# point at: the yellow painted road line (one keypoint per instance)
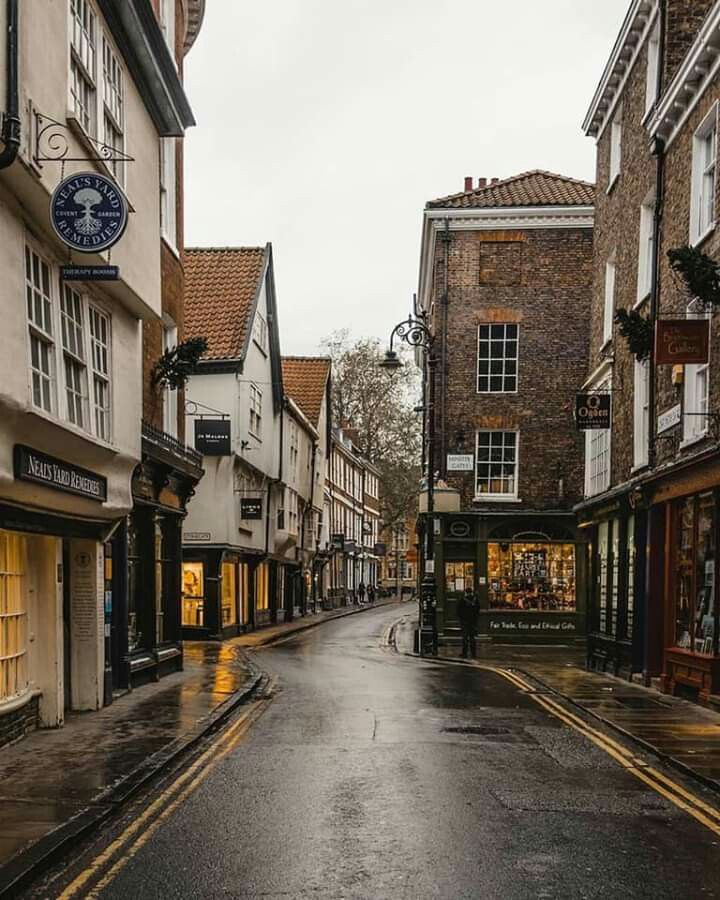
(661, 784)
(161, 808)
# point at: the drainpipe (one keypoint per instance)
(10, 133)
(444, 353)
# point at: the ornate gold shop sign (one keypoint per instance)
(682, 342)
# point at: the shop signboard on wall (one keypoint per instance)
(669, 419)
(592, 411)
(32, 465)
(380, 549)
(212, 437)
(88, 212)
(89, 273)
(251, 507)
(460, 462)
(682, 342)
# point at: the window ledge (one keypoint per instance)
(73, 429)
(696, 241)
(495, 498)
(639, 467)
(642, 299)
(613, 181)
(606, 344)
(169, 244)
(690, 441)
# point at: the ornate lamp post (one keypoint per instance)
(417, 334)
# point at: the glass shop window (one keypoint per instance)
(193, 611)
(137, 640)
(229, 605)
(244, 593)
(532, 577)
(615, 583)
(695, 613)
(602, 560)
(262, 592)
(458, 576)
(630, 558)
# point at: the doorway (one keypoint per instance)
(67, 628)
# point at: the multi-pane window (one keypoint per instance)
(113, 111)
(82, 64)
(630, 574)
(597, 457)
(73, 343)
(603, 560)
(496, 464)
(168, 191)
(40, 324)
(291, 510)
(255, 410)
(294, 449)
(651, 84)
(170, 397)
(702, 206)
(497, 358)
(13, 615)
(641, 412)
(100, 362)
(646, 250)
(609, 307)
(695, 392)
(615, 147)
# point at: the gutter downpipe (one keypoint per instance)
(10, 133)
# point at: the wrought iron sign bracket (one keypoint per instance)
(52, 144)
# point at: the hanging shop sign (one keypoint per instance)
(212, 437)
(31, 465)
(380, 549)
(669, 419)
(592, 411)
(89, 273)
(682, 342)
(460, 462)
(251, 507)
(337, 541)
(88, 212)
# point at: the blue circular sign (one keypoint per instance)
(88, 212)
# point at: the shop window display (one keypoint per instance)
(229, 614)
(459, 576)
(13, 615)
(631, 553)
(532, 577)
(137, 639)
(695, 614)
(193, 613)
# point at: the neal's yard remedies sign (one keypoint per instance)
(592, 411)
(88, 212)
(31, 465)
(212, 437)
(682, 342)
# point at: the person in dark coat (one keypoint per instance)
(468, 614)
(361, 591)
(371, 594)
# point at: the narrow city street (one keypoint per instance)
(371, 774)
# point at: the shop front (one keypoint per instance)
(529, 574)
(224, 593)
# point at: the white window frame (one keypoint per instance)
(506, 361)
(641, 413)
(646, 249)
(67, 332)
(85, 42)
(615, 148)
(167, 24)
(497, 495)
(255, 426)
(598, 448)
(113, 107)
(260, 332)
(653, 61)
(696, 390)
(168, 191)
(703, 213)
(609, 305)
(294, 449)
(170, 397)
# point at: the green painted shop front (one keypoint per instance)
(530, 573)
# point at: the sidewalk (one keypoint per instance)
(681, 733)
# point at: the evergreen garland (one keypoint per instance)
(177, 364)
(637, 331)
(700, 273)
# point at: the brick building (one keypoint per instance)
(652, 479)
(505, 282)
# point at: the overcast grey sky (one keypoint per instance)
(325, 125)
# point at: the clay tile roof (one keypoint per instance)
(220, 286)
(305, 379)
(536, 188)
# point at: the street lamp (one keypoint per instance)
(416, 333)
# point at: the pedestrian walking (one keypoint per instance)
(361, 592)
(371, 594)
(468, 615)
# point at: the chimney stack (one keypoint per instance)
(468, 183)
(494, 181)
(482, 182)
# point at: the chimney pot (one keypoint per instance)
(468, 183)
(494, 181)
(482, 182)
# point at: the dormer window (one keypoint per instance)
(260, 333)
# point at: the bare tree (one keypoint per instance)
(380, 410)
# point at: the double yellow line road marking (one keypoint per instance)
(660, 783)
(107, 865)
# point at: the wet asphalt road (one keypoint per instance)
(361, 781)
